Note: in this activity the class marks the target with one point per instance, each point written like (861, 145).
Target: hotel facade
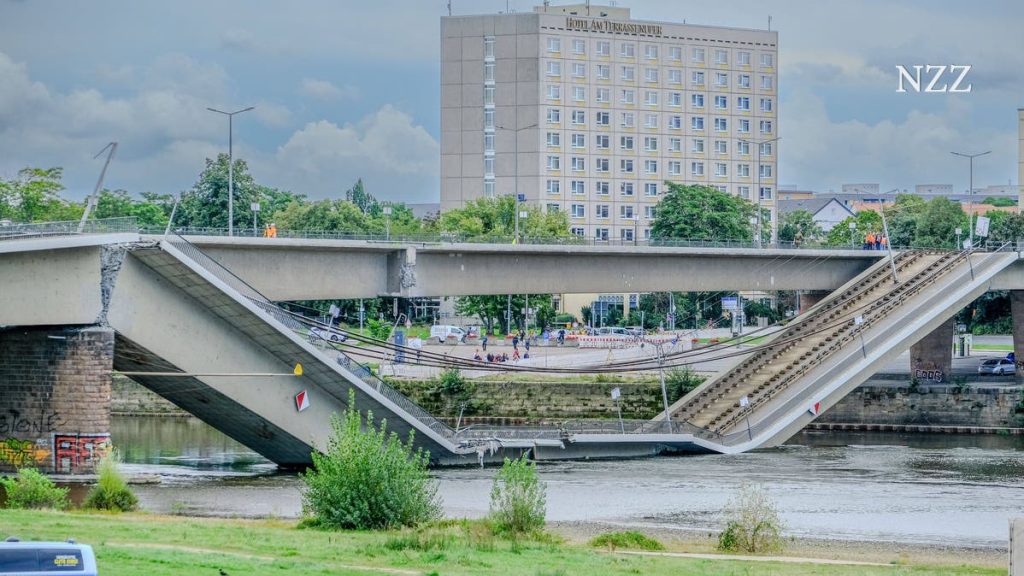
(582, 110)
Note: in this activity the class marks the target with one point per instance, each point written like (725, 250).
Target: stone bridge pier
(55, 397)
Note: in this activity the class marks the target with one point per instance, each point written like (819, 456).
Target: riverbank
(173, 545)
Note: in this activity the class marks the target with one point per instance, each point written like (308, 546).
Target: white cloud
(324, 90)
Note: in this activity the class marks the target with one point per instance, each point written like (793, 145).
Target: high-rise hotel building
(583, 110)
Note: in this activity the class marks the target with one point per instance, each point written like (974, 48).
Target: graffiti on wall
(20, 453)
(74, 452)
(14, 422)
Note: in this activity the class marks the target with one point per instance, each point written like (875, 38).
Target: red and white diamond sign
(302, 401)
(815, 408)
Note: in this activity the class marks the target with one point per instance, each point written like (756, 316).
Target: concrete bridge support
(1017, 314)
(931, 359)
(809, 298)
(55, 397)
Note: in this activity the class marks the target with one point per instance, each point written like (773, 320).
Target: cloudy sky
(345, 90)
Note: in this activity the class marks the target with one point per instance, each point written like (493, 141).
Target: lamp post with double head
(515, 168)
(231, 165)
(757, 160)
(970, 194)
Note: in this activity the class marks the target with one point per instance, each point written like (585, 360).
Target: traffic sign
(301, 401)
(730, 303)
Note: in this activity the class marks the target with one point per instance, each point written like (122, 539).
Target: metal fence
(15, 231)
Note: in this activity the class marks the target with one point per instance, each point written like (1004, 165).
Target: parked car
(635, 330)
(45, 558)
(613, 331)
(328, 334)
(997, 366)
(442, 331)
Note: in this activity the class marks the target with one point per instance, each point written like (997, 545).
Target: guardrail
(17, 231)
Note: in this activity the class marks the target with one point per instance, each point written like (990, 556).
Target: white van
(441, 332)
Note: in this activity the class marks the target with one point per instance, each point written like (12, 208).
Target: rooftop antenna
(90, 202)
(769, 22)
(588, 7)
(449, 7)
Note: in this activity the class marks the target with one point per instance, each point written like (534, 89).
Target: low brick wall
(936, 405)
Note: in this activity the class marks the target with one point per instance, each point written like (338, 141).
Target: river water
(931, 489)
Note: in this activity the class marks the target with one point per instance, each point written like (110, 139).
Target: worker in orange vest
(869, 241)
(885, 242)
(273, 230)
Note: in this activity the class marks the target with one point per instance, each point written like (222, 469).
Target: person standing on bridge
(878, 241)
(869, 240)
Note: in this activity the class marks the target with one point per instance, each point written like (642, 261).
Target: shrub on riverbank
(518, 499)
(630, 540)
(111, 491)
(367, 478)
(754, 524)
(681, 381)
(31, 489)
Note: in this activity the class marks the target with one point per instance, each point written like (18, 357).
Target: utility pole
(664, 392)
(970, 194)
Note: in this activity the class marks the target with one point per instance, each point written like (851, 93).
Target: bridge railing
(16, 231)
(361, 371)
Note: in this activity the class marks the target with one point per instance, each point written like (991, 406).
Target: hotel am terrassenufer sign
(598, 25)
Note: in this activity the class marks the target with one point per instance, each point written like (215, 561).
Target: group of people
(502, 357)
(876, 241)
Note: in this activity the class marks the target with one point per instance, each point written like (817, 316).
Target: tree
(205, 205)
(339, 216)
(492, 310)
(800, 222)
(358, 196)
(903, 216)
(938, 223)
(865, 221)
(34, 196)
(494, 218)
(119, 203)
(1001, 201)
(702, 213)
(1006, 226)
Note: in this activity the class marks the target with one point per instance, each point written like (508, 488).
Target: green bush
(518, 498)
(564, 319)
(630, 539)
(379, 329)
(111, 492)
(32, 489)
(454, 392)
(681, 381)
(753, 524)
(367, 478)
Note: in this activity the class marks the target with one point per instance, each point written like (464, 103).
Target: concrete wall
(994, 406)
(50, 287)
(932, 357)
(55, 397)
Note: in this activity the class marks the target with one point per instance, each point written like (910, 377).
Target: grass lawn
(132, 544)
(994, 347)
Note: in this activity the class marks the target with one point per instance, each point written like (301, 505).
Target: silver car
(326, 334)
(997, 366)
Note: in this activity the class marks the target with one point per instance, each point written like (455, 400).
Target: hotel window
(488, 71)
(488, 142)
(766, 149)
(628, 73)
(601, 211)
(651, 121)
(554, 93)
(697, 168)
(554, 69)
(488, 166)
(579, 69)
(628, 120)
(628, 97)
(488, 95)
(675, 144)
(554, 186)
(626, 166)
(697, 55)
(697, 100)
(604, 48)
(651, 51)
(721, 102)
(579, 93)
(627, 49)
(651, 189)
(626, 212)
(602, 142)
(766, 171)
(554, 116)
(651, 143)
(743, 148)
(489, 47)
(578, 231)
(649, 210)
(604, 118)
(579, 140)
(767, 82)
(766, 193)
(675, 168)
(766, 104)
(697, 78)
(721, 125)
(721, 169)
(675, 99)
(580, 47)
(766, 126)
(743, 80)
(743, 58)
(650, 166)
(698, 146)
(744, 126)
(579, 117)
(651, 97)
(552, 208)
(489, 119)
(675, 53)
(721, 79)
(626, 233)
(601, 234)
(767, 61)
(554, 44)
(721, 57)
(650, 74)
(743, 170)
(579, 210)
(578, 187)
(743, 192)
(625, 188)
(721, 147)
(675, 76)
(602, 165)
(579, 164)
(675, 122)
(697, 123)
(601, 188)
(743, 102)
(554, 163)
(604, 94)
(626, 142)
(554, 139)
(489, 188)
(603, 71)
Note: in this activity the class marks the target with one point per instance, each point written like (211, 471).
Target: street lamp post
(853, 232)
(231, 165)
(515, 168)
(970, 195)
(255, 206)
(387, 224)
(757, 157)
